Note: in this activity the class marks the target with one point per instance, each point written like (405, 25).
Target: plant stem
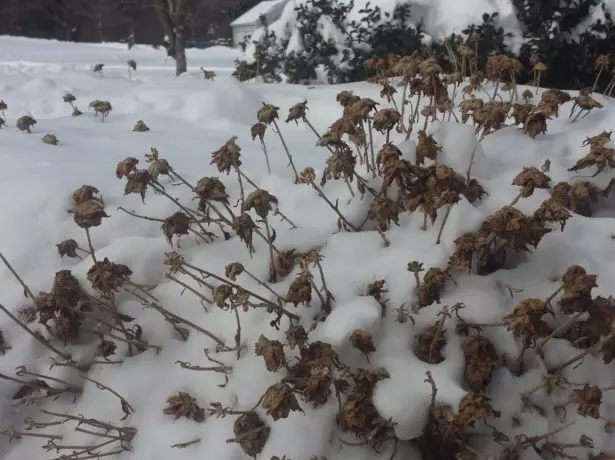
(332, 206)
(236, 286)
(191, 289)
(264, 146)
(448, 212)
(290, 158)
(38, 337)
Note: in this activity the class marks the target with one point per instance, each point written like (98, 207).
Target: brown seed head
(211, 189)
(272, 352)
(68, 248)
(362, 341)
(386, 119)
(251, 433)
(137, 182)
(125, 167)
(233, 270)
(184, 405)
(279, 401)
(268, 114)
(107, 276)
(132, 64)
(258, 130)
(530, 179)
(261, 201)
(177, 224)
(140, 127)
(297, 112)
(89, 214)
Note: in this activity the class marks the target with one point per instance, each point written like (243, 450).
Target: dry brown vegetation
(310, 372)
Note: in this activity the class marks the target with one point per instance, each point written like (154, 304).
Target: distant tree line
(130, 21)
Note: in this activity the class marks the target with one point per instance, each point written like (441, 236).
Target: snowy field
(189, 119)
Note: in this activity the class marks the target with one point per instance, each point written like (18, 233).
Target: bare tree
(174, 16)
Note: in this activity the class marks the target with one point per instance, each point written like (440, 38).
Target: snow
(253, 15)
(189, 119)
(440, 18)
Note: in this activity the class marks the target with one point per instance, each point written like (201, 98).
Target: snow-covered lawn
(189, 119)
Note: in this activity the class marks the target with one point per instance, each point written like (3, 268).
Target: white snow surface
(189, 119)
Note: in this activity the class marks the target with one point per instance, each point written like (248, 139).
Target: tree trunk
(181, 64)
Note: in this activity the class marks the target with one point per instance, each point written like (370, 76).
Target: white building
(248, 22)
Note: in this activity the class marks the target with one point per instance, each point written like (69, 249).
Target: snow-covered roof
(253, 15)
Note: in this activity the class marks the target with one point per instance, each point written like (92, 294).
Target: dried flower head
(50, 139)
(107, 276)
(89, 213)
(227, 157)
(258, 130)
(233, 270)
(279, 401)
(251, 433)
(140, 127)
(474, 407)
(296, 336)
(536, 123)
(184, 405)
(125, 167)
(211, 189)
(137, 182)
(429, 343)
(244, 227)
(480, 362)
(427, 147)
(589, 400)
(268, 114)
(297, 112)
(176, 225)
(300, 290)
(386, 120)
(526, 319)
(25, 123)
(383, 211)
(157, 166)
(433, 284)
(132, 64)
(552, 211)
(346, 98)
(261, 201)
(68, 248)
(362, 341)
(272, 352)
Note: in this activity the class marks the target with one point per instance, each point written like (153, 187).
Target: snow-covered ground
(189, 118)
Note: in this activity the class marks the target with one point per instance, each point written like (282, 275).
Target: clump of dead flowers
(50, 139)
(25, 123)
(184, 405)
(102, 108)
(509, 231)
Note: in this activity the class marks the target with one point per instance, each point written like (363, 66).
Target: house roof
(253, 15)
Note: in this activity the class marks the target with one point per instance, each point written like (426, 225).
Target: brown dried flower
(258, 130)
(178, 224)
(279, 401)
(268, 114)
(140, 127)
(272, 352)
(300, 290)
(125, 167)
(89, 214)
(297, 112)
(261, 201)
(68, 248)
(108, 276)
(480, 362)
(184, 405)
(251, 433)
(362, 341)
(137, 182)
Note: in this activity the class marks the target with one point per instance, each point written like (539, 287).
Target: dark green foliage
(556, 32)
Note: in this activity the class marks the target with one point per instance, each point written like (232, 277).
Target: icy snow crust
(190, 118)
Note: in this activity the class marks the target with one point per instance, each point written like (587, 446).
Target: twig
(126, 408)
